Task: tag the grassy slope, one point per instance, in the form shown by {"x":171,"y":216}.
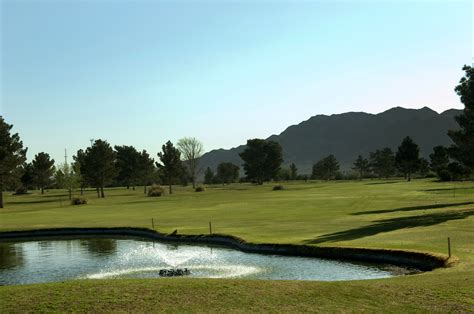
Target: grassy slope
{"x":416,"y":215}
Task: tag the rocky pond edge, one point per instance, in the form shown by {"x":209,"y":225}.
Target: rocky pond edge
{"x":424,"y":261}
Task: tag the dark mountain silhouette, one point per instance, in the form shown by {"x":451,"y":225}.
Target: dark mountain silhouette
{"x":349,"y":134}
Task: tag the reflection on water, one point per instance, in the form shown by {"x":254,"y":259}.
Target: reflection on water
{"x":100,"y":246}
{"x":44,"y":245}
{"x":11,"y":255}
{"x":100,"y":258}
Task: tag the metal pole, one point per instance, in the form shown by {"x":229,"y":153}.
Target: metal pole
{"x":210,"y":228}
{"x":449,"y":247}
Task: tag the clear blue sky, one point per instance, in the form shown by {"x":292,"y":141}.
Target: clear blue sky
{"x":144,"y":72}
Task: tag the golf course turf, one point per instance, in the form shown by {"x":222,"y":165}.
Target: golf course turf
{"x":393,"y":214}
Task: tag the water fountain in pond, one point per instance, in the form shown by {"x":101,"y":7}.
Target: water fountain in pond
{"x":71,"y":259}
{"x":175,"y":258}
{"x":184,"y":260}
{"x":174,"y":272}
{"x":166,"y":260}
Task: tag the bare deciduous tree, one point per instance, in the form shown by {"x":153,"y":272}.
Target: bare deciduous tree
{"x":191,"y":150}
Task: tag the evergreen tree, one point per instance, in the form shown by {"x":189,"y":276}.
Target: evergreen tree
{"x":170,"y":166}
{"x":326,"y":168}
{"x":43,"y":170}
{"x":439,"y":161}
{"x":382,"y":162}
{"x":407,"y":158}
{"x":293,"y":171}
{"x":79,"y":169}
{"x":362,"y":166}
{"x":145,"y":169}
{"x":27,"y":176}
{"x":208,"y":176}
{"x":127,"y":165}
{"x":99,"y":165}
{"x":424,"y":168}
{"x":262,"y":160}
{"x":227,"y":172}
{"x":463,"y":148}
{"x":12,"y":157}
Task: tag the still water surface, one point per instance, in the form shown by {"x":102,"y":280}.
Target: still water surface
{"x":99,"y":258}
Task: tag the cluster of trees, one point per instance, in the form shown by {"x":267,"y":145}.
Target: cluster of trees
{"x":38,"y":173}
{"x":446,"y":167}
{"x":98,"y":166}
{"x":448,"y":163}
{"x":227,"y":173}
{"x":290,"y":173}
{"x":384,"y":163}
{"x":326,"y":168}
{"x":262,"y":160}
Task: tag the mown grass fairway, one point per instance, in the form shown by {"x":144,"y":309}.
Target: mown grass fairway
{"x":417,"y":215}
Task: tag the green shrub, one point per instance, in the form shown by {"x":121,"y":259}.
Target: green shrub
{"x":278,"y":188}
{"x":78,"y":201}
{"x":199,"y":189}
{"x":156,"y":191}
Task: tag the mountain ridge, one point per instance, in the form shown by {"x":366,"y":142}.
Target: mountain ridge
{"x":349,"y":134}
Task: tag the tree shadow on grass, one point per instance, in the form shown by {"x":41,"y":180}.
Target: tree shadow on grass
{"x":447,"y":189}
{"x":55,"y":195}
{"x":410,"y":208}
{"x":13,"y":202}
{"x":387,"y":225}
{"x":31,"y":194}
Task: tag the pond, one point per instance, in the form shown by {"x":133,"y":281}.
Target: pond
{"x":104,"y":258}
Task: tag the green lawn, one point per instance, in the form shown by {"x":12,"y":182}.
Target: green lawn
{"x":417,"y":215}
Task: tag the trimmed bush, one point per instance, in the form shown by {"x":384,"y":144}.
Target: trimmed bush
{"x":199,"y":189}
{"x":156,"y":191}
{"x":78,"y":201}
{"x":278,"y":188}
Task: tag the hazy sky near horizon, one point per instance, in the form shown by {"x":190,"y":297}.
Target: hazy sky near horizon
{"x":144,"y":72}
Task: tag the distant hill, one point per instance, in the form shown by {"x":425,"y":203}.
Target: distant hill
{"x":349,"y":134}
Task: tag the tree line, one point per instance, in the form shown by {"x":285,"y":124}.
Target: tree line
{"x":101,"y":165}
{"x":97,"y":166}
